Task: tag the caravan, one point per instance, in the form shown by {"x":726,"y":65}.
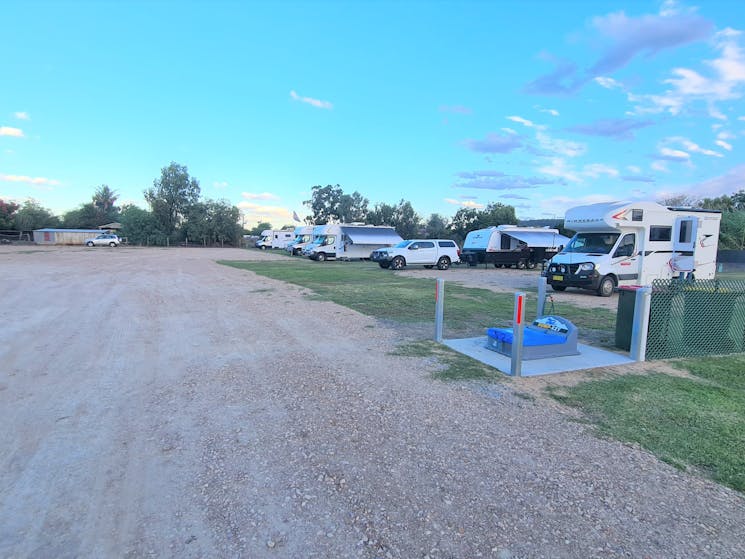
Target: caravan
{"x":511,"y":245}
{"x":351,"y":241}
{"x":634,"y":243}
{"x":271,"y":238}
{"x":303,"y":236}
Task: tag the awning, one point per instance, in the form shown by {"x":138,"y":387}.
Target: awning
{"x":539,"y":239}
{"x":372,"y":236}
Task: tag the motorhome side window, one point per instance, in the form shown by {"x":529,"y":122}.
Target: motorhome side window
{"x":626,"y":246}
{"x":660,"y":233}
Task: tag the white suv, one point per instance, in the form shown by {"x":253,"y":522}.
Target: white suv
{"x":428,"y":252}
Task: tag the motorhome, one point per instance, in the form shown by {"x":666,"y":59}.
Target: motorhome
{"x":511,"y":245}
{"x":634,"y":243}
{"x":352,"y":241}
{"x":317,"y":237}
{"x":303,"y":235}
{"x":272,"y":238}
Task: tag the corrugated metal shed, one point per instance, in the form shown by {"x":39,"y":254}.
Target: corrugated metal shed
{"x":51,"y":236}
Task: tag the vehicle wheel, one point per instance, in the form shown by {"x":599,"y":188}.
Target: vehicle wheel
{"x":89,"y":244}
{"x":112,"y":245}
{"x":321,"y":256}
{"x":605,"y":289}
{"x":521,"y":265}
{"x":398,"y":263}
{"x":443,"y":263}
{"x":429,"y":266}
{"x":531,"y":265}
{"x":384,"y":265}
{"x":558,"y":287}
{"x":497,"y":265}
{"x":263,"y":247}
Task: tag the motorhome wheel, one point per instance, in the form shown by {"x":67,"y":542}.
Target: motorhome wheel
{"x":443,"y":263}
{"x":321,"y":256}
{"x":531,"y":265}
{"x":521,"y":265}
{"x":606,"y":286}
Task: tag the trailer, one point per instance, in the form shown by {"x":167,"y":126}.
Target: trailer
{"x":511,"y":245}
{"x":352,"y":241}
{"x":634,"y":243}
{"x":303,"y":236}
{"x":273,"y":238}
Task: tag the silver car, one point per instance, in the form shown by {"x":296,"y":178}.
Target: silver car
{"x":105,"y":239}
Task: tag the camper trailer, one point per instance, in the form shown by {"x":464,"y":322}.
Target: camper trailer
{"x":347,"y":242}
{"x":272,"y":238}
{"x":511,"y":245}
{"x":634,"y":243}
{"x":303,"y":236}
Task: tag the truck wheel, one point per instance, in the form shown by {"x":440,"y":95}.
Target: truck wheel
{"x":558,"y":287}
{"x":531,"y":265}
{"x":398,"y":263}
{"x":443,"y":263}
{"x":263,"y":247}
{"x":605,"y":289}
{"x":384,"y":265}
{"x":321,"y":256}
{"x":521,"y":265}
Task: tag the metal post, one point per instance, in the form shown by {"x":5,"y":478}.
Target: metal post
{"x":439,"y":308}
{"x":541,"y":296}
{"x":518,"y":325}
{"x":640,"y":326}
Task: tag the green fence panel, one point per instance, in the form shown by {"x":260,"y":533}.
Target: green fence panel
{"x":690,"y":318}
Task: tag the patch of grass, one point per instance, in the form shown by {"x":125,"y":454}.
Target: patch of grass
{"x":364,"y":287}
{"x":693,"y":424}
{"x":452,"y":365}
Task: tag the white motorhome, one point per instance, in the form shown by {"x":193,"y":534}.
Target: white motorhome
{"x":303,"y":235}
{"x":272,"y":238}
{"x":348,"y":241}
{"x":511,"y":245}
{"x":634,"y":243}
{"x":317,"y":237}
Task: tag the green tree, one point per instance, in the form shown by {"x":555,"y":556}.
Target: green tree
{"x":7,"y":214}
{"x":260,"y":227}
{"x":723,"y":203}
{"x":104,"y":200}
{"x":738,"y":200}
{"x":732,"y":231}
{"x":324,"y":204}
{"x":31,"y":215}
{"x":381,"y":214}
{"x":406,"y":220}
{"x":464,"y":220}
{"x":86,"y":216}
{"x":171,"y":195}
{"x":139,"y":226}
{"x":352,"y":207}
{"x":437,"y":227}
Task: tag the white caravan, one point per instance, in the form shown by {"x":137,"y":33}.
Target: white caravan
{"x":508,"y":245}
{"x":272,"y":238}
{"x":303,"y":235}
{"x":634,"y":243}
{"x":344,"y":241}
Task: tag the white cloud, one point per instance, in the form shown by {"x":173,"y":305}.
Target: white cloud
{"x":552,"y":112}
{"x":633,"y":169}
{"x":674,"y":154}
{"x":688,"y":146}
{"x":660,"y":166}
{"x":741,"y":118}
{"x":565,"y":148}
{"x":595,"y":170}
{"x":509,"y":130}
{"x":259,"y":196}
{"x":276,"y":215}
{"x":10,"y":131}
{"x":464,"y":203}
{"x":525,"y":122}
{"x":724,"y":145}
{"x":559,"y":168}
{"x":220,"y":184}
{"x":22,"y":115}
{"x":726,"y":184}
{"x":608,"y":83}
{"x":310,"y":101}
{"x":724,"y":135}
{"x":42,"y":183}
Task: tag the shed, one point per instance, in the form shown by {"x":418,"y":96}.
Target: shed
{"x":51,"y":236}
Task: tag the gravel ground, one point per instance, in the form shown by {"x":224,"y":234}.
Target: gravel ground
{"x":157,"y":404}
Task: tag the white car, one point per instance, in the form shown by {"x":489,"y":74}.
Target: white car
{"x":426,"y":252}
{"x":105,"y":239}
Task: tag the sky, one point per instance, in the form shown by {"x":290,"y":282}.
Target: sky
{"x":540,"y":105}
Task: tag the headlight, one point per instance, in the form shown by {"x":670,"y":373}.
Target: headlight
{"x":586,"y":267}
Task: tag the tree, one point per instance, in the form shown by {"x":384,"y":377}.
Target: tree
{"x":352,"y":207}
{"x":324,"y":204}
{"x":464,"y":220}
{"x":7,"y":214}
{"x":213,"y":221}
{"x":171,"y":195}
{"x":84,"y":217}
{"x":139,"y":226}
{"x":437,"y":227}
{"x":381,"y":214}
{"x":495,"y":214}
{"x":259,"y":228}
{"x":104,"y":200}
{"x":406,"y":220}
{"x":723,"y":203}
{"x":678,"y":201}
{"x":31,"y":215}
{"x":738,"y":200}
{"x":732,"y":231}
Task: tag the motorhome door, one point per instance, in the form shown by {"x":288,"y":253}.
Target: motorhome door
{"x":625,"y":259}
{"x":684,"y":244}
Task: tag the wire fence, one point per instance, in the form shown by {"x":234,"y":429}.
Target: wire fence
{"x":695,"y":318}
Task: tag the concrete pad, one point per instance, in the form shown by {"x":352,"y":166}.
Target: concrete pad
{"x":589,"y":357}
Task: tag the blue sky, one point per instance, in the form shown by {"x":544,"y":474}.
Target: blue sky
{"x":540,"y":105}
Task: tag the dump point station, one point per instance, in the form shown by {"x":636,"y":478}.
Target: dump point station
{"x":508,"y":349}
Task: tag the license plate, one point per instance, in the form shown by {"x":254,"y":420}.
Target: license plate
{"x":557,"y":278}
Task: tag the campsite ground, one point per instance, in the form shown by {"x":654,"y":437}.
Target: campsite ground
{"x":156,"y":403}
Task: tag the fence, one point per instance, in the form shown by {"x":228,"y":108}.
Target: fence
{"x":694,"y":318}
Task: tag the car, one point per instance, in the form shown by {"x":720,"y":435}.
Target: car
{"x":105,"y":239}
{"x":426,"y":252}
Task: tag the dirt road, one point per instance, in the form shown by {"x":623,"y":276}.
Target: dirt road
{"x":157,"y":404}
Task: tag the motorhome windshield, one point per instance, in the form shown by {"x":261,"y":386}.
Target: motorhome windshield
{"x":305,"y":238}
{"x":598,"y":243}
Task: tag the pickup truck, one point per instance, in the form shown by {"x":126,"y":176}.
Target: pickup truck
{"x":426,"y":252}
